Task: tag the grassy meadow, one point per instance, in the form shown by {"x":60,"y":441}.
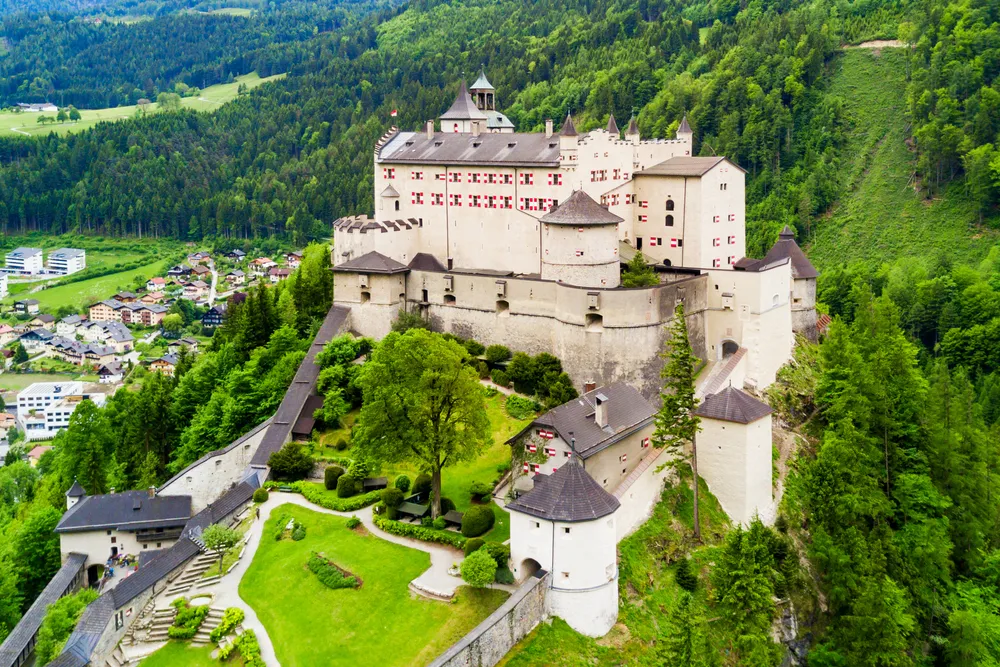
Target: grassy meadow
{"x":26,"y":124}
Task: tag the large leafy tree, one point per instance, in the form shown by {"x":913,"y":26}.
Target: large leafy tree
{"x":422,"y":402}
{"x":85,"y":448}
{"x":676,"y":423}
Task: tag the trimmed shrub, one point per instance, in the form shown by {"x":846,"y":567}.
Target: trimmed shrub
{"x":249,"y":648}
{"x":329,"y":574}
{"x":317,"y":496}
{"x":447,"y":505}
{"x":504,"y":576}
{"x":187,"y":620}
{"x":685,"y":576}
{"x":481,"y":491}
{"x":520,"y":408}
{"x":497,"y":354}
{"x":419,"y":532}
{"x":346,"y":486}
{"x":232,"y":617}
{"x":439,"y":523}
{"x":392,"y":497}
{"x":477,"y":520}
{"x":291,"y":462}
{"x":479,"y":569}
{"x":402,"y":483}
{"x":359,"y":470}
{"x":475,"y":544}
{"x":422,"y":485}
{"x":500,"y":378}
{"x":500,"y":553}
{"x":298,"y":532}
{"x":341,"y":445}
{"x":474,"y":348}
{"x":484,"y":371}
{"x":330,"y":477}
{"x":353,"y":522}
{"x":426,"y":522}
{"x":260,"y":496}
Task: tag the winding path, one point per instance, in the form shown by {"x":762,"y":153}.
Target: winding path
{"x":435,"y":581}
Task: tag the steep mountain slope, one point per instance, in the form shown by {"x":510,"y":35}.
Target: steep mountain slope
{"x":881,"y":215}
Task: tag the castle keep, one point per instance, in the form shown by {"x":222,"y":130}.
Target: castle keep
{"x":518,"y":238}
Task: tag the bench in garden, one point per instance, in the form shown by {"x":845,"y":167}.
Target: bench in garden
{"x":413,"y":510}
{"x":453,"y":518}
{"x":374,"y":483}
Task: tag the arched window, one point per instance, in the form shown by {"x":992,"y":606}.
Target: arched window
{"x":397,"y":204}
{"x":670,"y":220}
{"x":670,"y":204}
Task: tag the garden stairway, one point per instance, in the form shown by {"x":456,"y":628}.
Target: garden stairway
{"x":162,"y":620}
{"x":192,"y":575}
{"x":116,"y":659}
{"x":211,"y":622}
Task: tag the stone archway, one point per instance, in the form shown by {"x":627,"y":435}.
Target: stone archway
{"x":528,"y":568}
{"x":729,"y":348}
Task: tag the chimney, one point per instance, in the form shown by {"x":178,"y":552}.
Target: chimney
{"x":589,"y":386}
{"x":548,"y":128}
{"x":601,"y":410}
{"x":112,"y":491}
{"x":430,"y":130}
{"x":152,"y":492}
{"x":475,"y":128}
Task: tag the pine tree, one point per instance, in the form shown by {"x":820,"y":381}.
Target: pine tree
{"x":676,"y":423}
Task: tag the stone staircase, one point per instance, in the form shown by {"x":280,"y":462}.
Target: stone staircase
{"x":116,"y":659}
{"x":192,"y":575}
{"x":211,"y":622}
{"x":162,"y":620}
{"x":716,"y":380}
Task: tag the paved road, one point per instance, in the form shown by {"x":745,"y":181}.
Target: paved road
{"x":215,"y":281}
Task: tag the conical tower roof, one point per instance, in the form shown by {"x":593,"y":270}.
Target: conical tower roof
{"x":463,"y":108}
{"x":76,"y":491}
{"x":613,"y":126}
{"x":482,"y":83}
{"x":568,"y":128}
{"x":733,"y":405}
{"x":580,"y":210}
{"x":787,"y":248}
{"x":633,"y":126}
{"x":569,"y":494}
{"x":684,"y":127}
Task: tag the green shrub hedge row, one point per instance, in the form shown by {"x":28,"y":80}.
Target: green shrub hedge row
{"x":187,"y":620}
{"x":329,"y":574}
{"x":419,"y":532}
{"x":249,"y":648}
{"x":232,"y":617}
{"x":318,"y":497}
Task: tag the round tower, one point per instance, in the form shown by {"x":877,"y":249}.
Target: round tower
{"x":580,"y":243}
{"x":566,"y":526}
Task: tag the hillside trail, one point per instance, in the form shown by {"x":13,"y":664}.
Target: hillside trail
{"x":878,"y":44}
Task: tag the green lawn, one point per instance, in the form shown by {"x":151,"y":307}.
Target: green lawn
{"x":880,"y":217}
{"x":12,"y":123}
{"x":380,"y":623}
{"x":182,"y":654}
{"x":14,"y":382}
{"x":86,"y":292}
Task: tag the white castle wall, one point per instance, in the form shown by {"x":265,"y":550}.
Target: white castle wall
{"x":586,"y":256}
{"x":735,"y":461}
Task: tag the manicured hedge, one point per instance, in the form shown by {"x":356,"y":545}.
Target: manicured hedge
{"x":419,"y":532}
{"x":478,"y":520}
{"x":346,"y":486}
{"x":329,"y":574}
{"x":323,"y":499}
{"x":187,"y":621}
{"x":331,"y":475}
{"x":232,"y":617}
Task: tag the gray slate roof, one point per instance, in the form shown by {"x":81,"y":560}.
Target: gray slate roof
{"x":684,"y":127}
{"x":372,"y":262}
{"x":125,"y":511}
{"x":628,"y":411}
{"x":496,"y":120}
{"x":389,"y":191}
{"x":463,"y":108}
{"x":514,"y":149}
{"x":613,"y":126}
{"x":786,"y":247}
{"x":423,"y":261}
{"x":580,"y":209}
{"x":685,"y":166}
{"x":303,"y":385}
{"x":633,"y":126}
{"x":76,"y":491}
{"x":568,"y":128}
{"x":569,"y":494}
{"x":24,"y":632}
{"x":733,"y":405}
{"x":482,"y":83}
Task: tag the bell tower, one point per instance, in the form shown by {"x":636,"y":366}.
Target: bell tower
{"x":483,"y":93}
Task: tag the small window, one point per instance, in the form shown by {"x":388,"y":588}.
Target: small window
{"x":565,"y":575}
{"x":536,"y":524}
{"x":449,"y":299}
{"x":669,"y":221}
{"x":670,"y":204}
{"x":366,"y":297}
{"x":566,"y":530}
{"x":159,"y":544}
{"x":397,"y":204}
{"x":114,"y":540}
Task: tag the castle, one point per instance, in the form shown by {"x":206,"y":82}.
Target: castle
{"x":518,"y":238}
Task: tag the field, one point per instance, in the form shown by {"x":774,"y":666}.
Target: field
{"x":26,"y":124}
{"x":86,"y":292}
{"x":14,"y":382}
{"x":380,"y":623}
{"x":881,"y":217}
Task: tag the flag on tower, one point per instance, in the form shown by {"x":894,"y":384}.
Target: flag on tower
{"x":395,"y":112}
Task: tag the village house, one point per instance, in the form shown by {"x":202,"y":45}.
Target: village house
{"x":110,"y":373}
{"x":236,"y":277}
{"x":198,"y":258}
{"x":178,"y":271}
{"x":165,"y":365}
{"x":26,"y":307}
{"x":126,"y":297}
{"x":66,"y":261}
{"x":152,"y":297}
{"x":276,"y":275}
{"x":120,"y":523}
{"x":196,"y":289}
{"x":114,"y":310}
{"x":293,"y":259}
{"x":215,"y":316}
{"x":156,"y":284}
{"x":190,"y":344}
{"x":36,"y":454}
{"x":36,"y":340}
{"x":67,"y":326}
{"x":43,"y":321}
{"x":26,"y":261}
{"x":201,"y":271}
{"x":261,"y":266}
{"x":236,"y":255}
{"x":6,"y":334}
{"x":6,"y":358}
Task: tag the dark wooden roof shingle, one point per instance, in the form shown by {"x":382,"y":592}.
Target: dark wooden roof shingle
{"x":733,"y":405}
{"x":569,"y":494}
{"x":787,"y":248}
{"x":580,"y":209}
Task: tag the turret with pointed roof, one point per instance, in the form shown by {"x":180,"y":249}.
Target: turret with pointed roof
{"x":483,"y":93}
{"x":568,"y":128}
{"x":787,"y":248}
{"x":613,"y":126}
{"x":463,"y":110}
{"x":75,"y":494}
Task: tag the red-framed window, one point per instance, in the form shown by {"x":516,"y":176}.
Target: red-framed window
{"x":455,"y":200}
